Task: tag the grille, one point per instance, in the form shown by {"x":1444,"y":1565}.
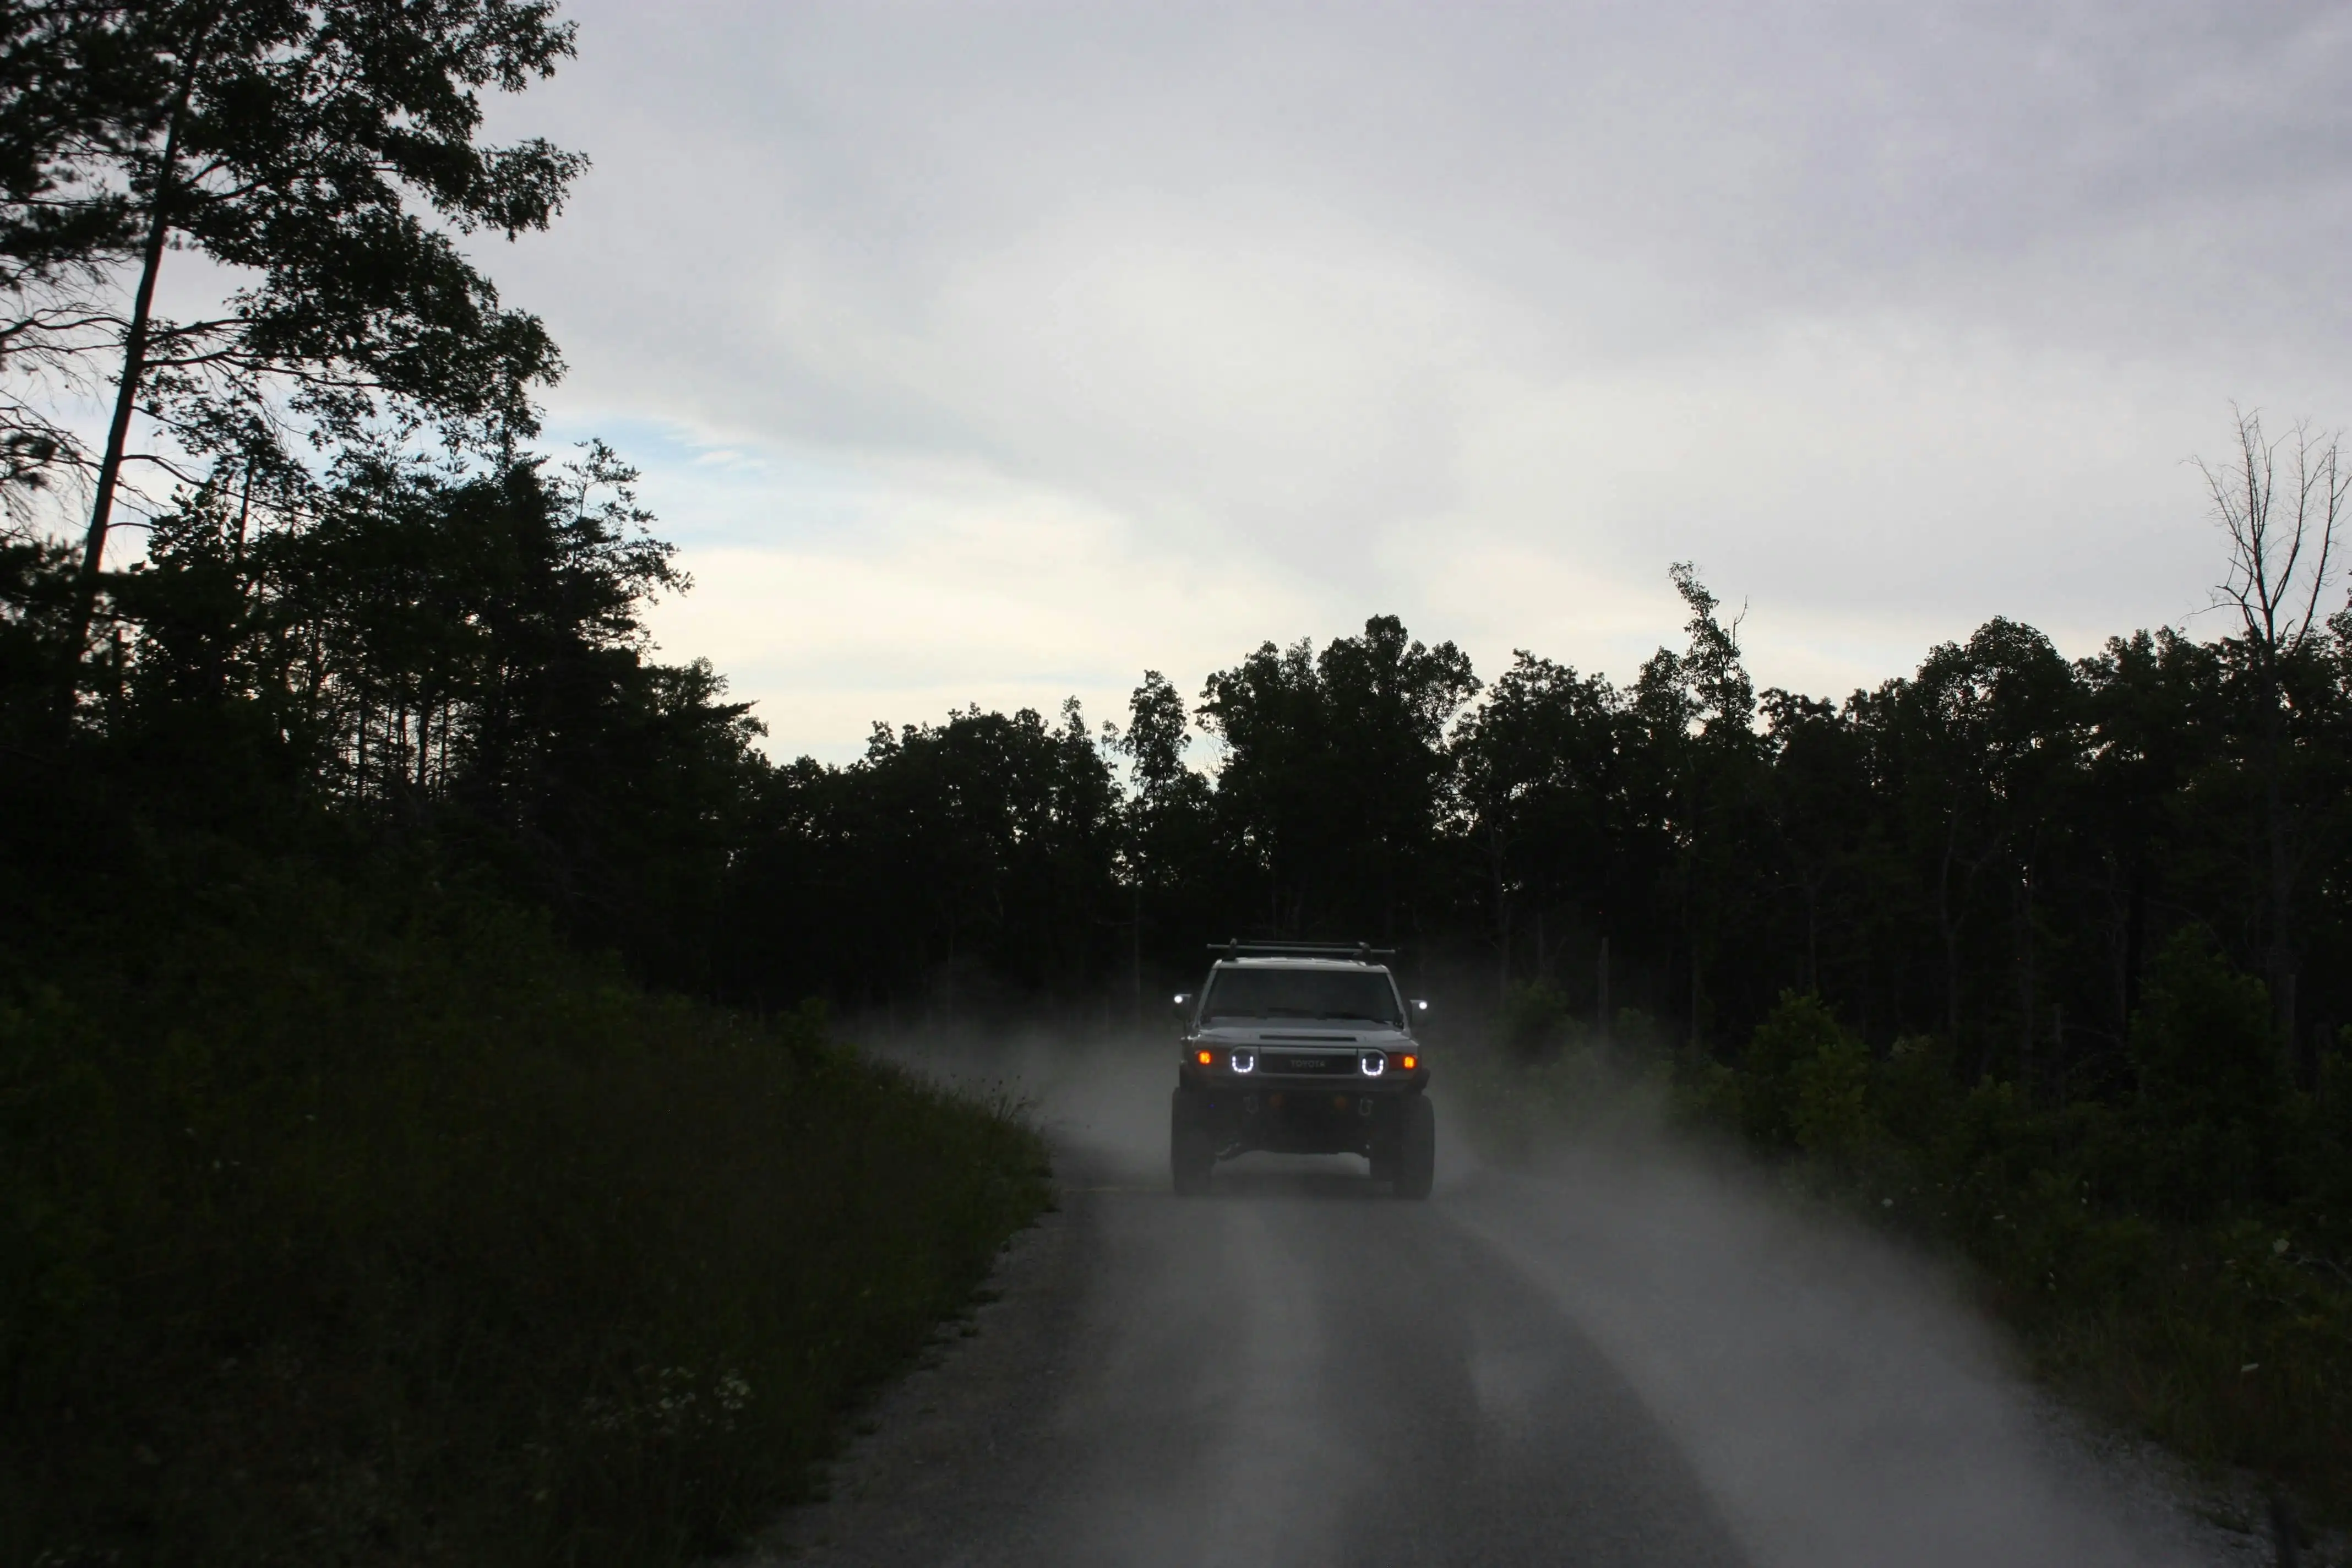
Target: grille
{"x":1305,"y":1064}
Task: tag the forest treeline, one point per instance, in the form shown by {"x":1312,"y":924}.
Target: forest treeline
{"x":1991,"y":849}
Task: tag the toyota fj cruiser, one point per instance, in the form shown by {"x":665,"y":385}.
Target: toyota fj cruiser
{"x":1301,"y":1050}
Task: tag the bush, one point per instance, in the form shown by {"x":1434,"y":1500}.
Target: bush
{"x":342,"y":1227}
{"x":1803,"y":1079}
{"x":1535,"y":1021}
{"x":1829,"y":1111}
{"x":2174,"y":1256}
{"x":2212,"y":1083}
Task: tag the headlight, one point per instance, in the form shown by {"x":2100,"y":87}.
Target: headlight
{"x":1372,"y":1063}
{"x":1244,"y":1061}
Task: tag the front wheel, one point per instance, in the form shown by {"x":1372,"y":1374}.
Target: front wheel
{"x":1191,"y":1147}
{"x":1416,"y":1155}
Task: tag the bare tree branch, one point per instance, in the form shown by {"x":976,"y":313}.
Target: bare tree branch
{"x":2280,"y":502}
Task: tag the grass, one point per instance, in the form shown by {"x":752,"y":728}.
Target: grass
{"x":369,"y":1229}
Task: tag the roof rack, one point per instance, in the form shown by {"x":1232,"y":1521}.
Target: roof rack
{"x":1234,"y":947}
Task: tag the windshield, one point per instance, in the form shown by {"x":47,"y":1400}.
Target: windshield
{"x":1365,"y":995}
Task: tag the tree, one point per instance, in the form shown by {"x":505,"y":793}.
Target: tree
{"x":1817,"y":800}
{"x":1336,"y":772}
{"x":2281,"y":519}
{"x":325,"y":157}
{"x":1697,"y":712}
{"x":1540,"y":775}
{"x":1166,"y":815}
{"x":1980,"y":736}
{"x":61,"y":98}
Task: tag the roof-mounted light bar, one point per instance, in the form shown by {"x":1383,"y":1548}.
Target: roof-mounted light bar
{"x":1236,"y":948}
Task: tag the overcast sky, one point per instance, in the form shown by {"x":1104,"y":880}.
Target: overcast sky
{"x":994,"y":354}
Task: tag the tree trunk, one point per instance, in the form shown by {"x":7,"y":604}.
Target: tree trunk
{"x":2135,"y":944}
{"x":1951,"y":941}
{"x":2025,"y":1003}
{"x":1813,"y":938}
{"x":2279,"y":958}
{"x":1602,"y":1009}
{"x":1502,"y":918}
{"x":134,"y":369}
{"x":1694,"y":1000}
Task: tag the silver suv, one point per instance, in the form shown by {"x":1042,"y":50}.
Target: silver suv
{"x":1301,"y":1050}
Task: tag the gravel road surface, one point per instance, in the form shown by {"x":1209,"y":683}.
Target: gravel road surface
{"x":1632,"y":1358}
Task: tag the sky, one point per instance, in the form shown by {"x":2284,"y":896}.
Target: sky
{"x":994,"y":354}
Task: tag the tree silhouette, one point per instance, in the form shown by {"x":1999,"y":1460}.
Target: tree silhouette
{"x":293,"y":146}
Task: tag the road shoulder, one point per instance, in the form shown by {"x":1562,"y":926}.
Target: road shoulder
{"x":938,"y":1446}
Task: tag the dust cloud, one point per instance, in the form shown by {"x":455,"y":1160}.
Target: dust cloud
{"x":1835,"y":1399}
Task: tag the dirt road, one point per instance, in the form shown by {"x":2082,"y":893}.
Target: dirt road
{"x":1630,"y":1360}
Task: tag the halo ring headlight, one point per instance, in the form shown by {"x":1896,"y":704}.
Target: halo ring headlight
{"x":1372,"y":1063}
{"x":1244,"y":1061}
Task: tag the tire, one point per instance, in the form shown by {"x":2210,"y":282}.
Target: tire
{"x":1416,"y":1159}
{"x":1191,"y":1147}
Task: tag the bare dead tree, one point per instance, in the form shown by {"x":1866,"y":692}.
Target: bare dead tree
{"x":2281,"y":520}
{"x":2281,"y":504}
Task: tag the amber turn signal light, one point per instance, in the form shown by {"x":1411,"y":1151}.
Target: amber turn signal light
{"x":1408,"y":1063}
{"x":1205,"y":1057}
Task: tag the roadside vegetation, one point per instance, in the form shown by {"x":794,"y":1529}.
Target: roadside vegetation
{"x":348,"y":1223}
{"x":2171,"y":1259}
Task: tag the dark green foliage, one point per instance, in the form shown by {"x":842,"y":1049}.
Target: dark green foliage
{"x":1535,"y":1021}
{"x":324,"y":159}
{"x":2212,"y":1083}
{"x":2172,"y":1254}
{"x":348,"y":1214}
{"x":303,"y":139}
{"x":1796,"y":1079}
{"x":1330,"y":796}
{"x":354,"y":1223}
{"x":1988,"y":853}
{"x":969,"y":864}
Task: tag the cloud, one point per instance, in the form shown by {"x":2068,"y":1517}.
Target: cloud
{"x":989,"y":352}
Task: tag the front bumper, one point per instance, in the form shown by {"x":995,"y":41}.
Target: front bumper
{"x":1298,"y":1113}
